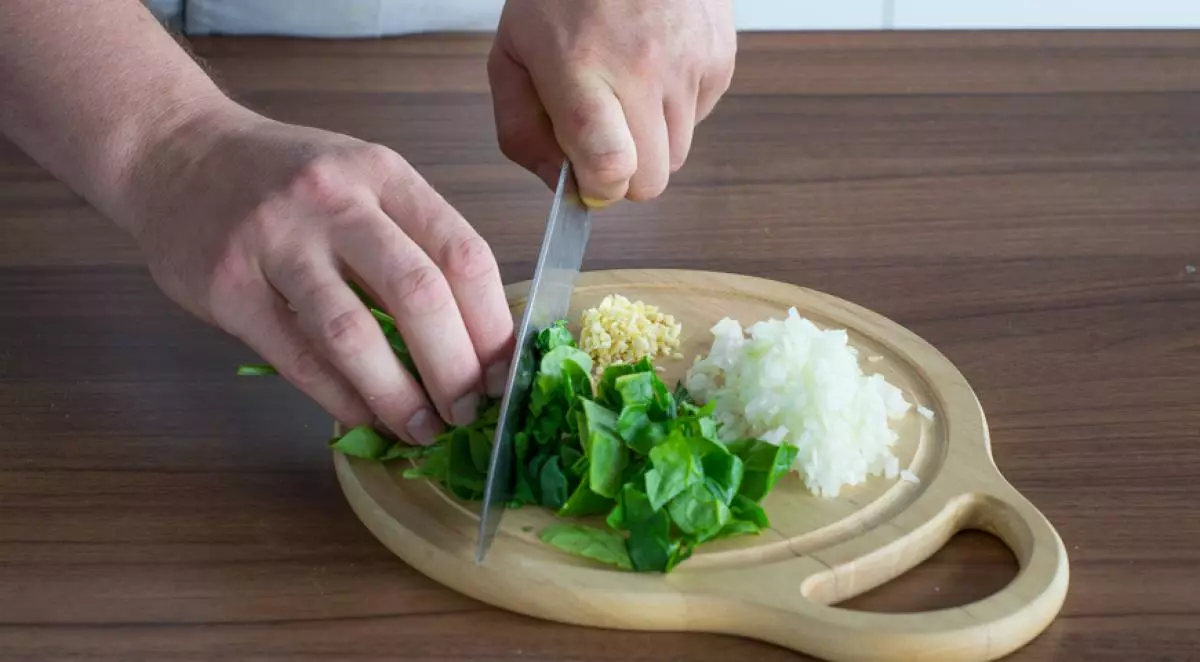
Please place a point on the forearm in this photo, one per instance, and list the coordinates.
(87, 86)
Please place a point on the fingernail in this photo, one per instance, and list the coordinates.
(423, 427)
(464, 410)
(595, 203)
(496, 378)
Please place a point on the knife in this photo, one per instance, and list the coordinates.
(548, 301)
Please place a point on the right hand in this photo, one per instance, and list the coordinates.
(254, 226)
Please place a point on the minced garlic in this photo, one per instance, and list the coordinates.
(621, 331)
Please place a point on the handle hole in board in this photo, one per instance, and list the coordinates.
(972, 566)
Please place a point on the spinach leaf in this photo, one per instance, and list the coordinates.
(637, 430)
(723, 471)
(572, 460)
(462, 479)
(606, 389)
(435, 466)
(522, 489)
(547, 426)
(765, 464)
(554, 336)
(576, 381)
(649, 541)
(698, 512)
(544, 391)
(616, 517)
(737, 527)
(676, 468)
(387, 324)
(745, 509)
(682, 396)
(553, 484)
(402, 451)
(481, 449)
(584, 502)
(636, 388)
(680, 551)
(256, 370)
(386, 321)
(552, 364)
(534, 471)
(363, 441)
(603, 546)
(644, 388)
(606, 453)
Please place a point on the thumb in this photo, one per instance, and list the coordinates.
(590, 125)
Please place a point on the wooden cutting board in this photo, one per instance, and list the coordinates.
(778, 586)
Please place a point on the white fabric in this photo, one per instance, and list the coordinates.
(1039, 14)
(340, 18)
(375, 18)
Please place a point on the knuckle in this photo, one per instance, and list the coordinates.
(229, 276)
(584, 55)
(322, 183)
(296, 268)
(347, 333)
(421, 291)
(645, 58)
(380, 160)
(467, 257)
(306, 368)
(609, 167)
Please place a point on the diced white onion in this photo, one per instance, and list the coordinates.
(791, 381)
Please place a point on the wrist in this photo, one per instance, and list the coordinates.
(158, 148)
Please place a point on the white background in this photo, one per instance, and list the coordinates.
(349, 18)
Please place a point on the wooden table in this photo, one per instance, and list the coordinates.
(1029, 203)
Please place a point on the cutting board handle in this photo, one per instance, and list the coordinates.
(984, 630)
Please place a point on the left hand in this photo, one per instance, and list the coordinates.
(618, 86)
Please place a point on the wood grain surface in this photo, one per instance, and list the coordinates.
(1029, 203)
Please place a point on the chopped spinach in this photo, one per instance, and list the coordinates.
(650, 460)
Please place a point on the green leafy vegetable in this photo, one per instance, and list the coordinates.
(699, 512)
(624, 447)
(256, 370)
(554, 485)
(402, 451)
(724, 473)
(481, 450)
(603, 546)
(765, 464)
(737, 527)
(745, 509)
(605, 451)
(606, 390)
(639, 432)
(585, 502)
(676, 468)
(649, 531)
(554, 336)
(362, 441)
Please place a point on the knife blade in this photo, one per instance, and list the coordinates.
(548, 301)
